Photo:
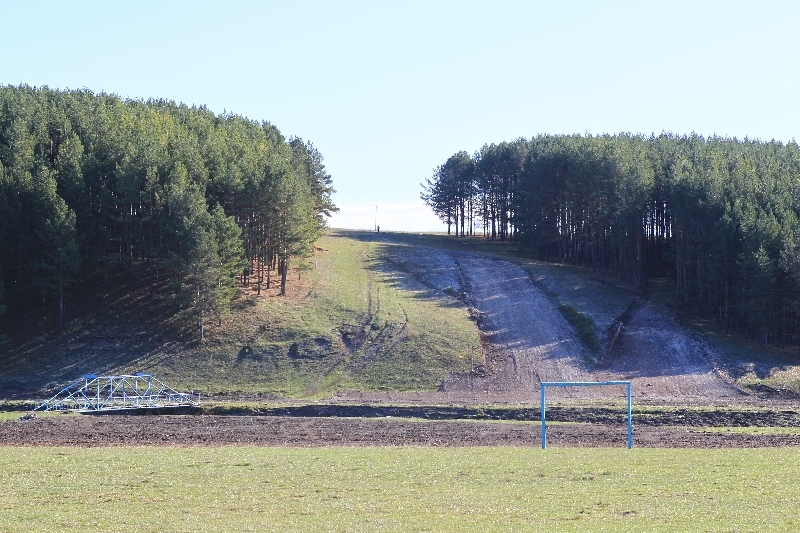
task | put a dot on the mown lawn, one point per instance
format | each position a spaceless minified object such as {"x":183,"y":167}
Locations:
{"x":397,"y":489}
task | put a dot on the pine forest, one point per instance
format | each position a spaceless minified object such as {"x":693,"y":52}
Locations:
{"x":92,"y":182}
{"x":719,"y":216}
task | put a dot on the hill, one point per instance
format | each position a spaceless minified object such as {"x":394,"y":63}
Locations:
{"x":398,"y":317}
{"x":354,"y":317}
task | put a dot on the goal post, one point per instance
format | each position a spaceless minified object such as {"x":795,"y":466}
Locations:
{"x":545,"y":384}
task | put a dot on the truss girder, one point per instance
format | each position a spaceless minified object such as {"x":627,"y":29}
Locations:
{"x":100,"y":393}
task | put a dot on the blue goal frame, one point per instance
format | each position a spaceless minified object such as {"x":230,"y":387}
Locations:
{"x":546,"y":384}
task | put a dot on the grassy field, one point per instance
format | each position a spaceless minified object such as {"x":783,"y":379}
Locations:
{"x":397,"y":489}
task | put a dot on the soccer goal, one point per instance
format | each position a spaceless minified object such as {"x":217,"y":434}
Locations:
{"x":545,"y":384}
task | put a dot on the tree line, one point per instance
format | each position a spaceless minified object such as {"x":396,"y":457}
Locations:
{"x":90,"y":182}
{"x":718,"y":215}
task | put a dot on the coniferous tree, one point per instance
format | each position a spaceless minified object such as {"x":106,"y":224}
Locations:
{"x":92,"y":181}
{"x":718,"y":215}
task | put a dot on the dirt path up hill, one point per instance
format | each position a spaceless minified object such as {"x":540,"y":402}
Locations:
{"x":526,"y":340}
{"x":525,"y":337}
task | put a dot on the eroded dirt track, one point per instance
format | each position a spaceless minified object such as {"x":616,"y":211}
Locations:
{"x":525,"y":337}
{"x":90,"y":431}
{"x":527,"y":341}
{"x":665,"y":362}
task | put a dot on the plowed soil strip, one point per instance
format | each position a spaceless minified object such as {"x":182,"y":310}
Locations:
{"x":87,"y":431}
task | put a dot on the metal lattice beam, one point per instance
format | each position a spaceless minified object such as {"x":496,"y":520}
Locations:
{"x":104,"y":393}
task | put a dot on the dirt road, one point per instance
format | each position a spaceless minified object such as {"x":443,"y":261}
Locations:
{"x":665,"y":362}
{"x":526,"y":340}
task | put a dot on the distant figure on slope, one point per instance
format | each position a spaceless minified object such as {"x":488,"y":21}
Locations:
{"x":379,"y":229}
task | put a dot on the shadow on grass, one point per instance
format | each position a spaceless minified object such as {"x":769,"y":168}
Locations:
{"x":103,"y":333}
{"x":407,"y":263}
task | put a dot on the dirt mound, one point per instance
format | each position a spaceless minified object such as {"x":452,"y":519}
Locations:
{"x":664,"y":361}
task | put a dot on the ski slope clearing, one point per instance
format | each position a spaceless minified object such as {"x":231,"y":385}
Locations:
{"x":524,"y":336}
{"x":526,"y":340}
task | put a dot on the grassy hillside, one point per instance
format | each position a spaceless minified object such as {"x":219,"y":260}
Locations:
{"x":351,"y":321}
{"x":368,"y":312}
{"x":604,"y":299}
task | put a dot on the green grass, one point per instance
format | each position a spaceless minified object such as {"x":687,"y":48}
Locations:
{"x":15,"y":415}
{"x":296,"y":349}
{"x":295,"y":346}
{"x":583,"y":325}
{"x":398,"y":489}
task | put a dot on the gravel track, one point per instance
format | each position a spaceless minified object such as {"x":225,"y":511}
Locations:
{"x":528,"y":341}
{"x":665,"y":362}
{"x":525,"y":338}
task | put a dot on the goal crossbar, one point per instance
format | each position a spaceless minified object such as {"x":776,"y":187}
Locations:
{"x":545,"y":384}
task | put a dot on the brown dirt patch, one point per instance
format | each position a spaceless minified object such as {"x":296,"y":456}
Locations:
{"x":90,"y":431}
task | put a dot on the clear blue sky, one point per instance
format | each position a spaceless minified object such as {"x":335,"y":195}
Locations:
{"x":389,"y":91}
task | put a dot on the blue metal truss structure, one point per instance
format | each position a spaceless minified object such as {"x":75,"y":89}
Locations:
{"x":93,"y":393}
